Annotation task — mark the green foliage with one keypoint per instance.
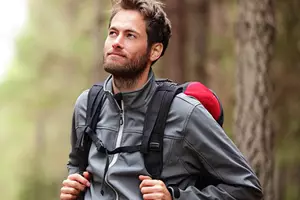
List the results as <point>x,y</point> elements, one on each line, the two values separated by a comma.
<point>52,66</point>
<point>38,186</point>
<point>285,76</point>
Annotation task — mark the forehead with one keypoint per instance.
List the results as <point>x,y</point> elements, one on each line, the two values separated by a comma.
<point>129,19</point>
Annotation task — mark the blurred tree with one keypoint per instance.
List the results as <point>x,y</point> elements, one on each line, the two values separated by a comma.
<point>253,128</point>
<point>98,35</point>
<point>174,62</point>
<point>220,66</point>
<point>196,36</point>
<point>285,75</point>
<point>55,61</point>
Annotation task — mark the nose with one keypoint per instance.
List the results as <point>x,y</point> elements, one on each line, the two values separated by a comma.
<point>118,42</point>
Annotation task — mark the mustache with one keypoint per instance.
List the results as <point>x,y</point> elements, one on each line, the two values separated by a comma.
<point>116,53</point>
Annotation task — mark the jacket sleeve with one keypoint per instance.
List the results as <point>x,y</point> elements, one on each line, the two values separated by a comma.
<point>78,121</point>
<point>206,141</point>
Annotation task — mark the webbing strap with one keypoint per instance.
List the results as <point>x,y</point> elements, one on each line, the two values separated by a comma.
<point>155,121</point>
<point>94,104</point>
<point>151,118</point>
<point>101,147</point>
<point>96,96</point>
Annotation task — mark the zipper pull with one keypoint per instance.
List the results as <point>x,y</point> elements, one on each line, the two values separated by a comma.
<point>121,117</point>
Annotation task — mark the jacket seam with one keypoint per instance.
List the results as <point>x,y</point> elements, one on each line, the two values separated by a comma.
<point>106,128</point>
<point>80,100</point>
<point>168,156</point>
<point>76,115</point>
<point>186,122</point>
<point>79,126</point>
<point>183,165</point>
<point>172,137</point>
<point>97,128</point>
<point>203,159</point>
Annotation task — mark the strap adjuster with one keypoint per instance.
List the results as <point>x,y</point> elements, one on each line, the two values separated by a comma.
<point>100,146</point>
<point>154,146</point>
<point>88,130</point>
<point>98,143</point>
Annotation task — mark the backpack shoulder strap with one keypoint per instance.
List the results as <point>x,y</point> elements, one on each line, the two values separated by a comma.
<point>155,121</point>
<point>95,100</point>
<point>94,104</point>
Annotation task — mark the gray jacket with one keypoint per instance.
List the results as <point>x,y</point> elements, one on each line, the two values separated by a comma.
<point>193,144</point>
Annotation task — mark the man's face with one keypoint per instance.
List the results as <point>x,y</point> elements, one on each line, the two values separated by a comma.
<point>125,49</point>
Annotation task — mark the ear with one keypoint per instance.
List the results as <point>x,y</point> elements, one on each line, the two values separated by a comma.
<point>156,51</point>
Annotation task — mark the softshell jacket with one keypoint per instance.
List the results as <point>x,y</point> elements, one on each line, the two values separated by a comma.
<point>194,143</point>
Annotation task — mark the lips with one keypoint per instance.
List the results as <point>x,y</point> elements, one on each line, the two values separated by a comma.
<point>116,54</point>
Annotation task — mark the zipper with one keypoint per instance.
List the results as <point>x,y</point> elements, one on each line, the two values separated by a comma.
<point>118,144</point>
<point>120,135</point>
<point>121,118</point>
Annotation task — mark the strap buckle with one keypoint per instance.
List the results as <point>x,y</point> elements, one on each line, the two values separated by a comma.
<point>154,146</point>
<point>100,146</point>
<point>88,130</point>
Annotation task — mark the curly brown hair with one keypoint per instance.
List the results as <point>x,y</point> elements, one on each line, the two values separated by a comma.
<point>158,26</point>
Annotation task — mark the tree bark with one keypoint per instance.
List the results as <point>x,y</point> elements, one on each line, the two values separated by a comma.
<point>196,44</point>
<point>98,40</point>
<point>175,59</point>
<point>253,128</point>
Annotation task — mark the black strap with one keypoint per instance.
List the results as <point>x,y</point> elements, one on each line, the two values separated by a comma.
<point>94,103</point>
<point>155,121</point>
<point>101,147</point>
<point>96,96</point>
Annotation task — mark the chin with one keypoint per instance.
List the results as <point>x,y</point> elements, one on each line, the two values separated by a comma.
<point>112,67</point>
<point>114,61</point>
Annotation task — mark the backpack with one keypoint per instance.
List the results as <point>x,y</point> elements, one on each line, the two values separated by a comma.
<point>154,124</point>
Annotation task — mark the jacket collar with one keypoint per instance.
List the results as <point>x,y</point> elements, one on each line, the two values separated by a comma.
<point>137,98</point>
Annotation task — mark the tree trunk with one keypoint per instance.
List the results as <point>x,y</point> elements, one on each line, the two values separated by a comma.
<point>98,40</point>
<point>175,58</point>
<point>196,45</point>
<point>280,181</point>
<point>253,129</point>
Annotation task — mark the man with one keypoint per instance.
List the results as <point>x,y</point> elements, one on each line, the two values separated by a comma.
<point>194,144</point>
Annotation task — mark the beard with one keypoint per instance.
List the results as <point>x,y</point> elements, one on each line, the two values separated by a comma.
<point>126,75</point>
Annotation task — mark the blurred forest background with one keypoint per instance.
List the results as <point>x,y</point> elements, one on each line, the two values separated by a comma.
<point>59,54</point>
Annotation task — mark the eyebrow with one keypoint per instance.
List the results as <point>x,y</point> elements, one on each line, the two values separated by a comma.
<point>126,30</point>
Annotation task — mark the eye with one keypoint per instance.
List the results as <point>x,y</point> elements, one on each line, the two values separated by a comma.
<point>112,33</point>
<point>131,36</point>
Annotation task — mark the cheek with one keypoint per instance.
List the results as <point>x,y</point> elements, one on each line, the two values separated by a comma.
<point>106,46</point>
<point>140,51</point>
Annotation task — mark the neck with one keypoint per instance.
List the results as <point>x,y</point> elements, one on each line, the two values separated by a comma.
<point>121,84</point>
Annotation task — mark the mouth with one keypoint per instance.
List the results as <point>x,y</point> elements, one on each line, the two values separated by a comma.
<point>116,54</point>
